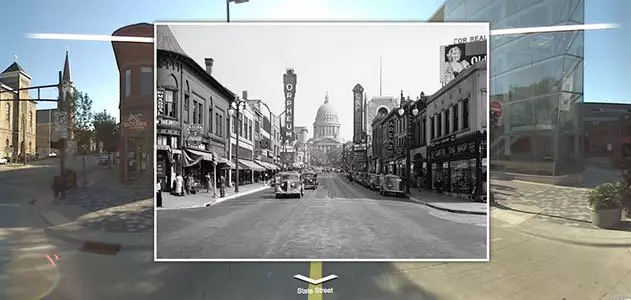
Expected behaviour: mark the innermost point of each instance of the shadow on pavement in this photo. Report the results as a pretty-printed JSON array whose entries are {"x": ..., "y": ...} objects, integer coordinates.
[
  {"x": 138, "y": 218},
  {"x": 370, "y": 281}
]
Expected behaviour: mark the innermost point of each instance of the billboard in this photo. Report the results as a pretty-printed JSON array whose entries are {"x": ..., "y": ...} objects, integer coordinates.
[
  {"x": 358, "y": 114},
  {"x": 456, "y": 58},
  {"x": 289, "y": 86}
]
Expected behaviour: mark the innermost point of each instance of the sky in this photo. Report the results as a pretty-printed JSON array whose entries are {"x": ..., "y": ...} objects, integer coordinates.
[
  {"x": 94, "y": 68},
  {"x": 326, "y": 57}
]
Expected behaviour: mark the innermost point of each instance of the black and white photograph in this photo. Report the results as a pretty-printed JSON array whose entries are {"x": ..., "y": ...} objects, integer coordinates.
[{"x": 321, "y": 141}]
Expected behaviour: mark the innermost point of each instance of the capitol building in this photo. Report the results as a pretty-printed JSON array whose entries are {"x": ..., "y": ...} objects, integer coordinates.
[{"x": 326, "y": 128}]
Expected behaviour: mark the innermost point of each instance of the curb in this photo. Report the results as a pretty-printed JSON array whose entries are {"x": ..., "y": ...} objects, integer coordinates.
[
  {"x": 219, "y": 200},
  {"x": 451, "y": 210},
  {"x": 87, "y": 244}
]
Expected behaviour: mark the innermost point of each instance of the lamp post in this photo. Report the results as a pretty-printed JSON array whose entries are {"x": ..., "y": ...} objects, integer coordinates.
[
  {"x": 409, "y": 111},
  {"x": 235, "y": 108},
  {"x": 228, "y": 7}
]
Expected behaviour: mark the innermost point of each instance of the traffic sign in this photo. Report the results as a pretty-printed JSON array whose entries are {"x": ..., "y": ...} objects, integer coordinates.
[
  {"x": 61, "y": 121},
  {"x": 496, "y": 108}
]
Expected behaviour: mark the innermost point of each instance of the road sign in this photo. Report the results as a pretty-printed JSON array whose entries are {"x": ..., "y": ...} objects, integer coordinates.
[
  {"x": 496, "y": 108},
  {"x": 61, "y": 121},
  {"x": 264, "y": 144}
]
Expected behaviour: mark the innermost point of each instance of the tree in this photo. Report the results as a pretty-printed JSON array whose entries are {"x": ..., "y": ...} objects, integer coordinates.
[
  {"x": 334, "y": 156},
  {"x": 106, "y": 130},
  {"x": 318, "y": 157},
  {"x": 80, "y": 106}
]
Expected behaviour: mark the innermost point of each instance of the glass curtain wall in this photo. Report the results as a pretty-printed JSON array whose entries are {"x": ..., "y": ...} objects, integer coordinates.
[{"x": 539, "y": 80}]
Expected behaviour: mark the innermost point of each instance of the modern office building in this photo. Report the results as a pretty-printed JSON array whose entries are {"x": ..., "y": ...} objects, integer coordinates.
[{"x": 537, "y": 80}]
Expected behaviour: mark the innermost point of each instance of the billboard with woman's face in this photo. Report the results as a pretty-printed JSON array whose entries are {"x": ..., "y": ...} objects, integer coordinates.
[{"x": 458, "y": 57}]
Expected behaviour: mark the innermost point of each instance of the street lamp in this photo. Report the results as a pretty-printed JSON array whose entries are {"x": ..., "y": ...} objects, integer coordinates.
[
  {"x": 228, "y": 7},
  {"x": 410, "y": 111},
  {"x": 236, "y": 107}
]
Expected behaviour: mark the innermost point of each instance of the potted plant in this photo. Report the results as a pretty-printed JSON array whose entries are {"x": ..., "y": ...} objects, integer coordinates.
[{"x": 605, "y": 204}]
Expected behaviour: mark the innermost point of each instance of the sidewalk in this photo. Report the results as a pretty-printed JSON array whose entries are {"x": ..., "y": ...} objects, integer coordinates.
[
  {"x": 104, "y": 217},
  {"x": 448, "y": 203},
  {"x": 204, "y": 199}
]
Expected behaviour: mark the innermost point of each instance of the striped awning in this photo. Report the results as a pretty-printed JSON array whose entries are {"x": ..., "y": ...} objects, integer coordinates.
[
  {"x": 250, "y": 165},
  {"x": 266, "y": 165}
]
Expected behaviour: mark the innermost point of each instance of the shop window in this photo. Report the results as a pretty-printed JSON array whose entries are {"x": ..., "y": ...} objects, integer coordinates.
[
  {"x": 127, "y": 83},
  {"x": 463, "y": 176}
]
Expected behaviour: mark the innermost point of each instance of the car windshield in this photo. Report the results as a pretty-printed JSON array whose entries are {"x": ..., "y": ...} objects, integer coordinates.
[{"x": 289, "y": 177}]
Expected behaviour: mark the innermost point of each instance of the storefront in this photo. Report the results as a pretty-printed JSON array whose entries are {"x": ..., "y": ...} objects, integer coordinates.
[
  {"x": 136, "y": 143},
  {"x": 456, "y": 165}
]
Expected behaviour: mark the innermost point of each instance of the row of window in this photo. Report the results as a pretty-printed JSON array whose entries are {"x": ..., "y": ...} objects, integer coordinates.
[
  {"x": 450, "y": 120},
  {"x": 146, "y": 81},
  {"x": 31, "y": 120},
  {"x": 245, "y": 127}
]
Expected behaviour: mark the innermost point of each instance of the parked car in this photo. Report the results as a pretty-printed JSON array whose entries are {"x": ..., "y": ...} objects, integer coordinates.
[
  {"x": 290, "y": 185},
  {"x": 104, "y": 161},
  {"x": 373, "y": 182},
  {"x": 52, "y": 154},
  {"x": 3, "y": 161},
  {"x": 391, "y": 184},
  {"x": 310, "y": 180}
]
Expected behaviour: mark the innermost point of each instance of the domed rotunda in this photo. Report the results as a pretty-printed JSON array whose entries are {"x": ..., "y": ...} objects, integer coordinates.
[{"x": 327, "y": 123}]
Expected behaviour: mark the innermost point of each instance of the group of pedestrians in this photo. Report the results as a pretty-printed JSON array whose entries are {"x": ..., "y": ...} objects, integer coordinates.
[{"x": 185, "y": 185}]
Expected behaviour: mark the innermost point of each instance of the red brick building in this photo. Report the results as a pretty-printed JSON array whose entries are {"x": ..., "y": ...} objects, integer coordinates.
[{"x": 136, "y": 66}]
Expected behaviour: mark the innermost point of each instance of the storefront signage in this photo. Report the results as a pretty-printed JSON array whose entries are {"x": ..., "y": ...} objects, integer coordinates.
[
  {"x": 160, "y": 102},
  {"x": 264, "y": 144},
  {"x": 135, "y": 122},
  {"x": 457, "y": 57},
  {"x": 194, "y": 135},
  {"x": 358, "y": 114},
  {"x": 466, "y": 148},
  {"x": 168, "y": 122},
  {"x": 289, "y": 83}
]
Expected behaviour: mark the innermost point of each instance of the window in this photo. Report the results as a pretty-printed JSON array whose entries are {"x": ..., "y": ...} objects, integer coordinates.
[
  {"x": 8, "y": 113},
  {"x": 465, "y": 114},
  {"x": 447, "y": 120},
  {"x": 200, "y": 113},
  {"x": 432, "y": 132},
  {"x": 210, "y": 120},
  {"x": 187, "y": 104},
  {"x": 234, "y": 125},
  {"x": 146, "y": 81},
  {"x": 455, "y": 125},
  {"x": 30, "y": 121},
  {"x": 250, "y": 126},
  {"x": 127, "y": 82},
  {"x": 195, "y": 120},
  {"x": 257, "y": 127},
  {"x": 439, "y": 124},
  {"x": 170, "y": 103}
]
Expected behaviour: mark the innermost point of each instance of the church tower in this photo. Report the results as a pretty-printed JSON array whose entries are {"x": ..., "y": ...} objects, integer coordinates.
[
  {"x": 66, "y": 94},
  {"x": 21, "y": 111}
]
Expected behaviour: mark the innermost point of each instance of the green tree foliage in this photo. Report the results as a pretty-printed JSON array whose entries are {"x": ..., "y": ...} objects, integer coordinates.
[
  {"x": 79, "y": 105},
  {"x": 318, "y": 157},
  {"x": 334, "y": 156},
  {"x": 106, "y": 130}
]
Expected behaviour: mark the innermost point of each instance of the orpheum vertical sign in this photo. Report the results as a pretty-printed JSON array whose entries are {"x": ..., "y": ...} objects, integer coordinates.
[
  {"x": 358, "y": 114},
  {"x": 289, "y": 83}
]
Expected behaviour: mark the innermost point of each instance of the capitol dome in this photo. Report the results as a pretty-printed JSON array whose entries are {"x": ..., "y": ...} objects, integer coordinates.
[{"x": 327, "y": 123}]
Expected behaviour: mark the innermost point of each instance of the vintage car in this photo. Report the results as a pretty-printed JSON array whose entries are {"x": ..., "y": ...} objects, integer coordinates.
[
  {"x": 391, "y": 184},
  {"x": 275, "y": 180},
  {"x": 290, "y": 185},
  {"x": 310, "y": 180}
]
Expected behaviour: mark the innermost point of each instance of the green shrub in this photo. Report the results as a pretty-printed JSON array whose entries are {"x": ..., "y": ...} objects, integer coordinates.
[{"x": 606, "y": 196}]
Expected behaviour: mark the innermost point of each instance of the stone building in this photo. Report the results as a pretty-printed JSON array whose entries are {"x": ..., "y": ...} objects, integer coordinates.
[
  {"x": 326, "y": 128},
  {"x": 17, "y": 118},
  {"x": 45, "y": 128}
]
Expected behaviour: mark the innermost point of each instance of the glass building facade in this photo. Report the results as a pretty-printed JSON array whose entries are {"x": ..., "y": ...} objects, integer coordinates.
[{"x": 538, "y": 78}]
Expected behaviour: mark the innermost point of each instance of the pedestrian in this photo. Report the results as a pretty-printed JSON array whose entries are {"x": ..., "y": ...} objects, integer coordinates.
[
  {"x": 159, "y": 193},
  {"x": 179, "y": 185},
  {"x": 222, "y": 186},
  {"x": 208, "y": 182}
]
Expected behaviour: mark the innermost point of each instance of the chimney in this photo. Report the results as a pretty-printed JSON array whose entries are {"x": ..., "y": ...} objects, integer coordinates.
[
  {"x": 245, "y": 95},
  {"x": 209, "y": 65}
]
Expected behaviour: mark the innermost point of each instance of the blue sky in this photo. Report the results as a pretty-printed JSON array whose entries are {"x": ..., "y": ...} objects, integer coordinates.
[{"x": 94, "y": 69}]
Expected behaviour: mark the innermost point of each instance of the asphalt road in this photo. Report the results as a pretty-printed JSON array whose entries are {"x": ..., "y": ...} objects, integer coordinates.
[{"x": 336, "y": 221}]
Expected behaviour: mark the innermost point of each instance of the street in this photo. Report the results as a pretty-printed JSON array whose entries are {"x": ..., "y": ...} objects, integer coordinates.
[{"x": 338, "y": 220}]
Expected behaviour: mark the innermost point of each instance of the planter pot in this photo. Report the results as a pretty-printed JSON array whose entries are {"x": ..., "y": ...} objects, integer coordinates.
[{"x": 607, "y": 218}]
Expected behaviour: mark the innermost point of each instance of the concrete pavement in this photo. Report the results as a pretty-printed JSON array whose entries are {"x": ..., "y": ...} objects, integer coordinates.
[{"x": 337, "y": 220}]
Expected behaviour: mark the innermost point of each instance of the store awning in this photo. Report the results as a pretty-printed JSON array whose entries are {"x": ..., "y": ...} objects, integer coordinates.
[
  {"x": 204, "y": 155},
  {"x": 250, "y": 165},
  {"x": 226, "y": 162},
  {"x": 266, "y": 165}
]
